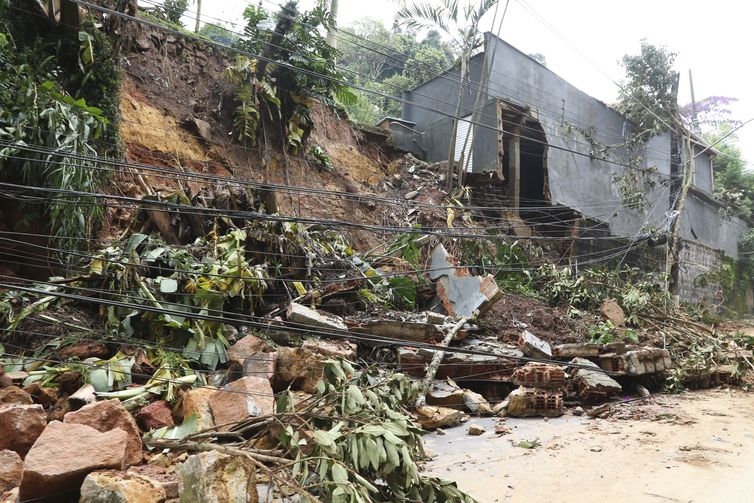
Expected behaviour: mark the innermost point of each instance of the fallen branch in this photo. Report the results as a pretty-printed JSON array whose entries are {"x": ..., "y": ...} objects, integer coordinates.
[{"x": 435, "y": 362}]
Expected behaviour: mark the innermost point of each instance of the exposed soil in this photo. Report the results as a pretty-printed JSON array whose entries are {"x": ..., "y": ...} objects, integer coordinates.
[
  {"x": 696, "y": 447},
  {"x": 550, "y": 324}
]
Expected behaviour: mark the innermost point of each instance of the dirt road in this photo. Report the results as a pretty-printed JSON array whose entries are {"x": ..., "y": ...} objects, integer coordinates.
[{"x": 696, "y": 447}]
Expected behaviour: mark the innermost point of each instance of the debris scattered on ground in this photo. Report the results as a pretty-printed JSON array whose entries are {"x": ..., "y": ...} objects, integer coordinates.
[{"x": 475, "y": 430}]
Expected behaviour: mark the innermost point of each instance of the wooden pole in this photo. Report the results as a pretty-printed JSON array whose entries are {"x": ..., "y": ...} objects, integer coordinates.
[
  {"x": 435, "y": 362},
  {"x": 198, "y": 15}
]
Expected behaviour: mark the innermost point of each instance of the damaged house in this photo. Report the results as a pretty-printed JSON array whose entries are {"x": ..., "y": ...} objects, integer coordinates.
[{"x": 563, "y": 159}]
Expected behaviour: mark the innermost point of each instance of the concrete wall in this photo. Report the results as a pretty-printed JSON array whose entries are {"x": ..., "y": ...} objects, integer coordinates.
[{"x": 576, "y": 125}]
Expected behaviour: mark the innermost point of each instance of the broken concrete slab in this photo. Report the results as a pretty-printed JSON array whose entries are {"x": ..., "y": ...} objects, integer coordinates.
[
  {"x": 592, "y": 385},
  {"x": 405, "y": 330},
  {"x": 108, "y": 486},
  {"x": 212, "y": 477},
  {"x": 456, "y": 365},
  {"x": 460, "y": 293},
  {"x": 476, "y": 403},
  {"x": 110, "y": 415},
  {"x": 246, "y": 397},
  {"x": 431, "y": 417},
  {"x": 527, "y": 402},
  {"x": 444, "y": 394},
  {"x": 11, "y": 470},
  {"x": 611, "y": 311},
  {"x": 533, "y": 346},
  {"x": 639, "y": 361},
  {"x": 577, "y": 350},
  {"x": 539, "y": 375},
  {"x": 20, "y": 426},
  {"x": 64, "y": 454},
  {"x": 302, "y": 315}
]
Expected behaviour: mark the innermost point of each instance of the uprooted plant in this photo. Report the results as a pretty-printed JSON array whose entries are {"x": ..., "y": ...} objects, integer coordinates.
[{"x": 351, "y": 441}]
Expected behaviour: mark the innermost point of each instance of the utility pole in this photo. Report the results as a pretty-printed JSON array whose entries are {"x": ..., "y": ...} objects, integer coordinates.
[
  {"x": 332, "y": 41},
  {"x": 198, "y": 15},
  {"x": 694, "y": 121}
]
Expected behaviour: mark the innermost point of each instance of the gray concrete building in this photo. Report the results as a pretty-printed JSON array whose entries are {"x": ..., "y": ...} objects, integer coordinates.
[{"x": 540, "y": 144}]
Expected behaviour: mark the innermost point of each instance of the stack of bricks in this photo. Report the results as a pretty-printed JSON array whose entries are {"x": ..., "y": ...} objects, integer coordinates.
[{"x": 540, "y": 391}]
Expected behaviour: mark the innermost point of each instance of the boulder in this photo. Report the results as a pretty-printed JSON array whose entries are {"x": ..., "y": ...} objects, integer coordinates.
[
  {"x": 20, "y": 425},
  {"x": 14, "y": 394},
  {"x": 246, "y": 347},
  {"x": 11, "y": 470},
  {"x": 257, "y": 365},
  {"x": 165, "y": 477},
  {"x": 212, "y": 477},
  {"x": 155, "y": 415},
  {"x": 109, "y": 415},
  {"x": 475, "y": 430},
  {"x": 248, "y": 396},
  {"x": 298, "y": 367},
  {"x": 64, "y": 454},
  {"x": 611, "y": 311},
  {"x": 199, "y": 127},
  {"x": 112, "y": 486},
  {"x": 431, "y": 418},
  {"x": 196, "y": 401}
]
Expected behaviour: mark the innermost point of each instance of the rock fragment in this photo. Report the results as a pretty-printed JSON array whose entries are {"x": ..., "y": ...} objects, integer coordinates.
[
  {"x": 15, "y": 395},
  {"x": 64, "y": 454},
  {"x": 212, "y": 477},
  {"x": 303, "y": 315},
  {"x": 155, "y": 415},
  {"x": 110, "y": 415},
  {"x": 533, "y": 346},
  {"x": 475, "y": 430},
  {"x": 431, "y": 418},
  {"x": 11, "y": 470},
  {"x": 248, "y": 396},
  {"x": 611, "y": 311},
  {"x": 112, "y": 486},
  {"x": 20, "y": 425},
  {"x": 196, "y": 402}
]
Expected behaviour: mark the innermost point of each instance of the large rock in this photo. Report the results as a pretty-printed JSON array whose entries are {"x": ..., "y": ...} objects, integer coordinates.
[
  {"x": 112, "y": 486},
  {"x": 64, "y": 454},
  {"x": 444, "y": 394},
  {"x": 476, "y": 403},
  {"x": 611, "y": 311},
  {"x": 299, "y": 368},
  {"x": 14, "y": 394},
  {"x": 248, "y": 396},
  {"x": 212, "y": 477},
  {"x": 246, "y": 347},
  {"x": 196, "y": 402},
  {"x": 333, "y": 349},
  {"x": 11, "y": 470},
  {"x": 155, "y": 415},
  {"x": 109, "y": 415},
  {"x": 431, "y": 418},
  {"x": 20, "y": 425}
]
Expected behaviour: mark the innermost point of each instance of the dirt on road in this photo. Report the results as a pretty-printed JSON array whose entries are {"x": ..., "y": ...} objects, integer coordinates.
[{"x": 695, "y": 447}]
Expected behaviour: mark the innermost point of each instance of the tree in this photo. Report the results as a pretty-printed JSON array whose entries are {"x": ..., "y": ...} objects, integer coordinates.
[
  {"x": 647, "y": 97},
  {"x": 219, "y": 33},
  {"x": 461, "y": 25},
  {"x": 427, "y": 63},
  {"x": 174, "y": 10},
  {"x": 734, "y": 185}
]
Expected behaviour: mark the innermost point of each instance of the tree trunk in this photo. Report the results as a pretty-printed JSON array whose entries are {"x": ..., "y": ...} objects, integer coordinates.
[
  {"x": 454, "y": 129},
  {"x": 198, "y": 15},
  {"x": 332, "y": 41},
  {"x": 674, "y": 243},
  {"x": 435, "y": 362}
]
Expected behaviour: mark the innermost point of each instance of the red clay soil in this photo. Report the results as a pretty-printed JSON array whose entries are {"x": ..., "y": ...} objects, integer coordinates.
[{"x": 551, "y": 324}]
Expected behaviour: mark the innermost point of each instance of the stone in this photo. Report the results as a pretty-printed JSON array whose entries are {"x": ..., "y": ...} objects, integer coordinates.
[
  {"x": 58, "y": 411},
  {"x": 475, "y": 430},
  {"x": 20, "y": 425},
  {"x": 155, "y": 415},
  {"x": 248, "y": 396},
  {"x": 64, "y": 454},
  {"x": 501, "y": 429},
  {"x": 431, "y": 418},
  {"x": 109, "y": 415},
  {"x": 46, "y": 397},
  {"x": 10, "y": 496},
  {"x": 443, "y": 394},
  {"x": 212, "y": 477},
  {"x": 14, "y": 378},
  {"x": 332, "y": 349},
  {"x": 578, "y": 411},
  {"x": 299, "y": 368},
  {"x": 611, "y": 311},
  {"x": 539, "y": 375},
  {"x": 533, "y": 346},
  {"x": 16, "y": 395},
  {"x": 411, "y": 195},
  {"x": 527, "y": 402},
  {"x": 501, "y": 408},
  {"x": 11, "y": 470},
  {"x": 111, "y": 486},
  {"x": 260, "y": 365},
  {"x": 201, "y": 128},
  {"x": 476, "y": 403},
  {"x": 165, "y": 477},
  {"x": 302, "y": 315},
  {"x": 247, "y": 346},
  {"x": 143, "y": 44},
  {"x": 592, "y": 385},
  {"x": 196, "y": 402}
]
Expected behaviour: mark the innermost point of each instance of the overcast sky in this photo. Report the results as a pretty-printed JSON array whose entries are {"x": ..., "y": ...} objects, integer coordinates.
[{"x": 590, "y": 36}]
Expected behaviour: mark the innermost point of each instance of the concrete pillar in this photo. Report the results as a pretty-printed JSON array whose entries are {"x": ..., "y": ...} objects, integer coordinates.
[{"x": 514, "y": 167}]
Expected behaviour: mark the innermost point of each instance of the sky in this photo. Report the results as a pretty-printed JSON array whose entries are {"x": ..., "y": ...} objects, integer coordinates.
[{"x": 583, "y": 41}]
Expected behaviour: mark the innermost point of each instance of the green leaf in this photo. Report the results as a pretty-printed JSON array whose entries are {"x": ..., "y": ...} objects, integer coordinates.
[{"x": 339, "y": 473}]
